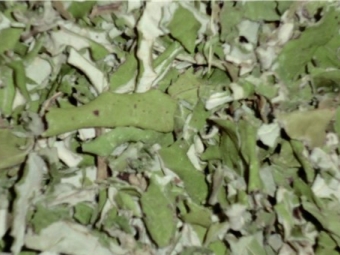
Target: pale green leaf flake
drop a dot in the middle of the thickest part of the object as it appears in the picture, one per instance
(268, 134)
(73, 239)
(20, 78)
(307, 126)
(337, 121)
(215, 230)
(197, 215)
(230, 16)
(297, 53)
(175, 158)
(25, 190)
(126, 202)
(184, 28)
(7, 90)
(195, 250)
(243, 138)
(199, 116)
(326, 81)
(298, 153)
(186, 87)
(251, 244)
(83, 213)
(284, 209)
(159, 214)
(260, 10)
(125, 74)
(328, 56)
(13, 148)
(43, 217)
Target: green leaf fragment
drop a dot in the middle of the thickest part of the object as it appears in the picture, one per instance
(285, 158)
(248, 147)
(45, 217)
(74, 239)
(83, 213)
(337, 121)
(97, 51)
(307, 167)
(151, 110)
(283, 6)
(328, 55)
(184, 28)
(168, 78)
(217, 77)
(197, 215)
(217, 190)
(25, 190)
(307, 126)
(285, 217)
(297, 53)
(230, 153)
(326, 241)
(196, 251)
(105, 144)
(110, 217)
(327, 81)
(126, 202)
(20, 78)
(186, 87)
(267, 90)
(302, 189)
(247, 245)
(159, 214)
(124, 73)
(121, 163)
(80, 9)
(200, 231)
(123, 223)
(199, 116)
(9, 38)
(239, 145)
(180, 118)
(27, 253)
(218, 248)
(7, 90)
(260, 10)
(13, 149)
(230, 16)
(165, 59)
(212, 152)
(33, 53)
(329, 222)
(176, 159)
(215, 230)
(325, 251)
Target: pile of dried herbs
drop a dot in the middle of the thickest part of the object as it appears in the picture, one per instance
(169, 127)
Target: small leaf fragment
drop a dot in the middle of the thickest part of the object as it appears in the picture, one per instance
(184, 27)
(159, 214)
(176, 159)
